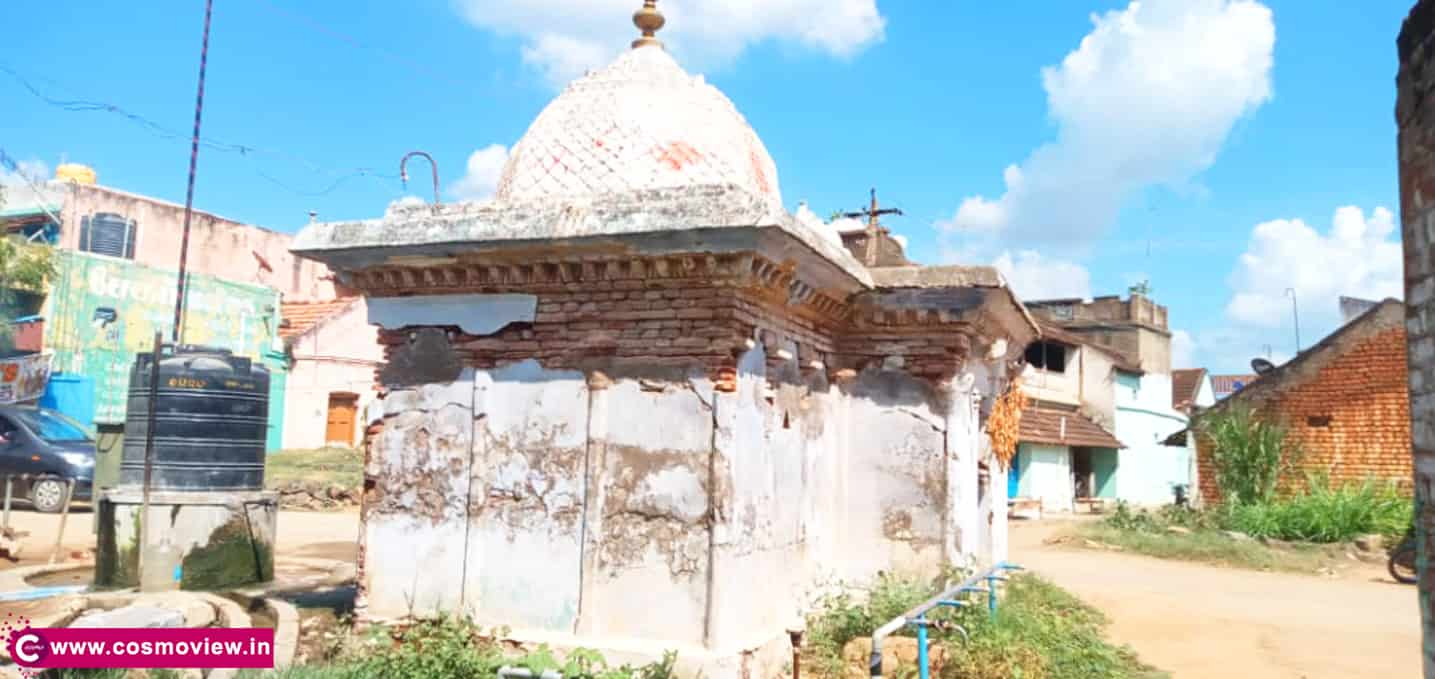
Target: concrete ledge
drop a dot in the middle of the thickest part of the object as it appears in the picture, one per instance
(16, 579)
(286, 631)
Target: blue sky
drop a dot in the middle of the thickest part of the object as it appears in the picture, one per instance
(1220, 136)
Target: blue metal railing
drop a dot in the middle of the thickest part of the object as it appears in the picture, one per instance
(917, 617)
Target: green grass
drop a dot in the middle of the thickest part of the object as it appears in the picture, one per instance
(342, 466)
(1323, 513)
(1040, 632)
(1318, 522)
(451, 648)
(1212, 547)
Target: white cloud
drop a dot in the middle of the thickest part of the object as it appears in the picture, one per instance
(407, 201)
(1148, 98)
(481, 178)
(563, 38)
(1183, 350)
(1359, 256)
(1032, 276)
(18, 188)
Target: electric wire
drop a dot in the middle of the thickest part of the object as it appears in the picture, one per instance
(244, 150)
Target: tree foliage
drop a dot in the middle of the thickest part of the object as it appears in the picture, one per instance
(24, 267)
(1248, 453)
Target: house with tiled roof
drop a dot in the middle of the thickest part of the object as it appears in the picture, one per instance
(1191, 389)
(1066, 452)
(1101, 405)
(333, 353)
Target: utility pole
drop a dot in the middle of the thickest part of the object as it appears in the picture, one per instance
(1295, 311)
(874, 229)
(189, 193)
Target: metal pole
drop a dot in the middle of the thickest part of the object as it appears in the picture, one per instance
(64, 516)
(1295, 311)
(189, 193)
(404, 172)
(9, 487)
(149, 453)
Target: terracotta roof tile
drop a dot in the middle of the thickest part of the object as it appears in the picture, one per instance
(1185, 387)
(1044, 425)
(297, 318)
(1226, 384)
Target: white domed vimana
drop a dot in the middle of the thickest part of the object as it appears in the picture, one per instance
(640, 123)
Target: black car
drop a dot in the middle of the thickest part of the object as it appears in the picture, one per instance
(43, 450)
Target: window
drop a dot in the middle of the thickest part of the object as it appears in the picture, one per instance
(1047, 356)
(1062, 312)
(52, 426)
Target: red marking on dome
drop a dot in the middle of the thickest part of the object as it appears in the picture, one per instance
(598, 143)
(758, 173)
(677, 155)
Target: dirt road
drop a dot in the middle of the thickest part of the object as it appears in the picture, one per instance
(1199, 621)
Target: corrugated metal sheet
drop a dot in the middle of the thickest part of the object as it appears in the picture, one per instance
(237, 316)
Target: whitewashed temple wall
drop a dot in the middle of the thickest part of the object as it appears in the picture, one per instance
(549, 501)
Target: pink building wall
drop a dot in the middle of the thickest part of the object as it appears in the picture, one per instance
(217, 246)
(336, 356)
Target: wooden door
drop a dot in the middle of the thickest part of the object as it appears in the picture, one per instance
(342, 410)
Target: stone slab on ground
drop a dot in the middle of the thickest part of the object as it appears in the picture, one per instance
(131, 616)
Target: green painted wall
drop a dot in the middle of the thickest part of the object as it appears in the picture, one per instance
(1103, 467)
(240, 317)
(278, 378)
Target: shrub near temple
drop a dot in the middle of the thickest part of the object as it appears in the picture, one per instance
(1249, 454)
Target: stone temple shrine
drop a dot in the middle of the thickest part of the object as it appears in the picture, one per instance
(633, 404)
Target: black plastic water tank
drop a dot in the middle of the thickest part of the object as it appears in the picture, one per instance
(109, 234)
(210, 422)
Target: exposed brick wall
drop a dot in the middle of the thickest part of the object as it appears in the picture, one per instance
(1415, 118)
(631, 325)
(1351, 418)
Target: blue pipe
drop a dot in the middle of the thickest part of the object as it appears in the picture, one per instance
(992, 595)
(42, 592)
(921, 623)
(918, 616)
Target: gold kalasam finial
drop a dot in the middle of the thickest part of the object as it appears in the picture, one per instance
(648, 20)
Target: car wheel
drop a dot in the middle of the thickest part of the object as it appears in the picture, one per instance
(48, 495)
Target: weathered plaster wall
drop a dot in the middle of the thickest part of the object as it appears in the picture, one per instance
(527, 503)
(664, 438)
(416, 509)
(338, 355)
(588, 498)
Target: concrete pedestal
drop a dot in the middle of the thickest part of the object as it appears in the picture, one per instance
(196, 540)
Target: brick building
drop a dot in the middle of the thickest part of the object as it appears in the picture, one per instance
(1343, 402)
(1415, 118)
